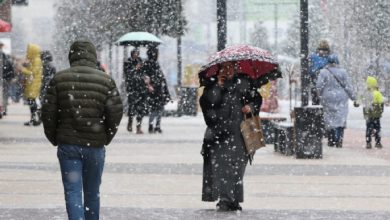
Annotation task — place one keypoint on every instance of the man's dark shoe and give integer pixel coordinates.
(339, 144)
(150, 130)
(157, 130)
(36, 123)
(28, 123)
(224, 206)
(130, 125)
(368, 146)
(378, 145)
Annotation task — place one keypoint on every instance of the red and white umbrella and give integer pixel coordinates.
(252, 61)
(5, 26)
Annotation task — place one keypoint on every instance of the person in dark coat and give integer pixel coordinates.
(137, 92)
(48, 71)
(81, 113)
(224, 102)
(8, 74)
(158, 90)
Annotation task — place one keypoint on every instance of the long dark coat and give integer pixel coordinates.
(48, 71)
(137, 92)
(160, 96)
(223, 149)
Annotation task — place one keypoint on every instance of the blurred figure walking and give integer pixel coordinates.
(373, 107)
(334, 88)
(317, 61)
(158, 90)
(137, 92)
(33, 81)
(81, 113)
(8, 74)
(48, 71)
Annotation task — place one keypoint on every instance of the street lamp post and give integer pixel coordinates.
(179, 43)
(221, 24)
(308, 122)
(304, 16)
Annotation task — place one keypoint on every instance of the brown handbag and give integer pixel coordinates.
(252, 133)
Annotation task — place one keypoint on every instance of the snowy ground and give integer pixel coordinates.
(355, 116)
(159, 176)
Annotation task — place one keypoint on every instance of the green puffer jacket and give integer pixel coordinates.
(82, 105)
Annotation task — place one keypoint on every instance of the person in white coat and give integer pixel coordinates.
(334, 89)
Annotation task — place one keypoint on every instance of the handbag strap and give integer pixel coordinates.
(340, 83)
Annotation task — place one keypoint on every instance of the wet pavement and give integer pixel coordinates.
(158, 176)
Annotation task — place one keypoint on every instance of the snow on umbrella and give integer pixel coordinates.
(139, 38)
(5, 26)
(252, 61)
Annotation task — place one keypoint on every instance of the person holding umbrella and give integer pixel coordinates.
(136, 88)
(230, 93)
(224, 104)
(158, 89)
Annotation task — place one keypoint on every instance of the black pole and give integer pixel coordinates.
(179, 56)
(179, 62)
(221, 24)
(276, 26)
(304, 52)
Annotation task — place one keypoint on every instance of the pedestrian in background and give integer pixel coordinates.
(32, 72)
(7, 75)
(137, 92)
(158, 89)
(317, 61)
(224, 103)
(373, 107)
(48, 71)
(81, 113)
(334, 89)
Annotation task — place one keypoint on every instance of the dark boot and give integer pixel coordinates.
(36, 118)
(339, 144)
(157, 130)
(30, 122)
(226, 206)
(368, 146)
(130, 124)
(139, 131)
(378, 145)
(150, 130)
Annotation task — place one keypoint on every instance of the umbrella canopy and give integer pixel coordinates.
(5, 26)
(139, 38)
(252, 61)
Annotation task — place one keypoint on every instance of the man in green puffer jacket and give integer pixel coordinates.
(81, 113)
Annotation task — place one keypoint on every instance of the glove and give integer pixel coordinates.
(356, 104)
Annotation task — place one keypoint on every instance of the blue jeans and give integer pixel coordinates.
(155, 115)
(81, 169)
(336, 135)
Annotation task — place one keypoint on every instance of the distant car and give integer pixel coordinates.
(20, 2)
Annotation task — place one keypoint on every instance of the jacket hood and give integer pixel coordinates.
(33, 51)
(371, 82)
(82, 53)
